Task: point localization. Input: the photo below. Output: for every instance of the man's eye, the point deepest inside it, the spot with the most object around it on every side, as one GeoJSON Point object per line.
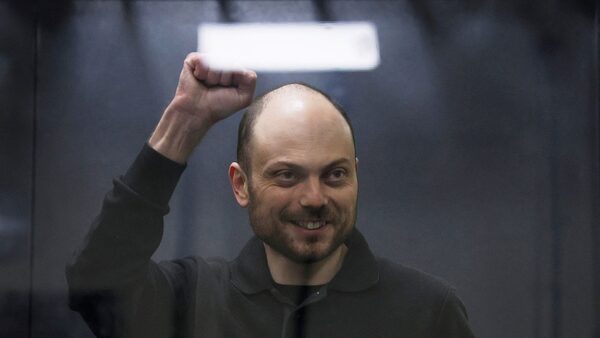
{"type": "Point", "coordinates": [336, 175]}
{"type": "Point", "coordinates": [286, 175]}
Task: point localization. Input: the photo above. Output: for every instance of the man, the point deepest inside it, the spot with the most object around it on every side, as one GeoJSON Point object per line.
{"type": "Point", "coordinates": [307, 273]}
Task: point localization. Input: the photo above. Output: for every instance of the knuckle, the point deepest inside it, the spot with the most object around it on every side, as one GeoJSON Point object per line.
{"type": "Point", "coordinates": [191, 57]}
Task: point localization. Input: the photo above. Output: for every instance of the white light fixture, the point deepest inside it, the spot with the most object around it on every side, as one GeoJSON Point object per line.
{"type": "Point", "coordinates": [285, 47]}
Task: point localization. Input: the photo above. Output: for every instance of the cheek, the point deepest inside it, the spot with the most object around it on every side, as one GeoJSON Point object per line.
{"type": "Point", "coordinates": [346, 197]}
{"type": "Point", "coordinates": [272, 200]}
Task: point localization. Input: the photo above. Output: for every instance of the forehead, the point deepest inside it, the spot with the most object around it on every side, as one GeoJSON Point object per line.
{"type": "Point", "coordinates": [300, 125]}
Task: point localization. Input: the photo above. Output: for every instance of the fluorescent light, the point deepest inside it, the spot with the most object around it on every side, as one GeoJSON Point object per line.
{"type": "Point", "coordinates": [290, 46]}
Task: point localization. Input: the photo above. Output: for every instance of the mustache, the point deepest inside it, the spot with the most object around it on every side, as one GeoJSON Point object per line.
{"type": "Point", "coordinates": [322, 213]}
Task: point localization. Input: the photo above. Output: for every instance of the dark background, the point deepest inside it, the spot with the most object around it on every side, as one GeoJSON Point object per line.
{"type": "Point", "coordinates": [477, 138]}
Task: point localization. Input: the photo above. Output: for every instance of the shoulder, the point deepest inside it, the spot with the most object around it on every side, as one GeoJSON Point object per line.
{"type": "Point", "coordinates": [424, 298]}
{"type": "Point", "coordinates": [408, 279]}
{"type": "Point", "coordinates": [412, 289]}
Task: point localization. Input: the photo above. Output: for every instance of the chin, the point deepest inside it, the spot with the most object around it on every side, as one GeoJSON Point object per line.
{"type": "Point", "coordinates": [309, 257]}
{"type": "Point", "coordinates": [305, 253]}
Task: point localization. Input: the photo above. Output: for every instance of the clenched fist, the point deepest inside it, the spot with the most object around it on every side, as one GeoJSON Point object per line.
{"type": "Point", "coordinates": [203, 97]}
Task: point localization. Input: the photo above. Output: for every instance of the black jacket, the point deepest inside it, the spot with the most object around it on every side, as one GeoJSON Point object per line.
{"type": "Point", "coordinates": [121, 292]}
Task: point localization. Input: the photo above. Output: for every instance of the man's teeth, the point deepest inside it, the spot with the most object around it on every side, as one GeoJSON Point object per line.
{"type": "Point", "coordinates": [312, 225]}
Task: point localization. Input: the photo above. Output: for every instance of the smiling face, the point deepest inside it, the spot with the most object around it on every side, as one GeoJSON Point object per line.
{"type": "Point", "coordinates": [302, 190]}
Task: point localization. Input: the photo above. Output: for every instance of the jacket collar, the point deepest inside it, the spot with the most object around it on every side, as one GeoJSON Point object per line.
{"type": "Point", "coordinates": [359, 270]}
{"type": "Point", "coordinates": [250, 273]}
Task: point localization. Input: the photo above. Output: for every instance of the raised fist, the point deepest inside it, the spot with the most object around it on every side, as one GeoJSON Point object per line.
{"type": "Point", "coordinates": [210, 93]}
{"type": "Point", "coordinates": [203, 97]}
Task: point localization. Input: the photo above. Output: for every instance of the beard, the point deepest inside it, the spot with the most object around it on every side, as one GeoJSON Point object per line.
{"type": "Point", "coordinates": [274, 230]}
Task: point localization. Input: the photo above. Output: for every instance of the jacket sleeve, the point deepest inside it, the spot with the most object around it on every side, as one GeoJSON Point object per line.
{"type": "Point", "coordinates": [113, 283]}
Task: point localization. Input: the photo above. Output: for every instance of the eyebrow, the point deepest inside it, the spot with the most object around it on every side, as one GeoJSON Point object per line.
{"type": "Point", "coordinates": [288, 164]}
{"type": "Point", "coordinates": [338, 162]}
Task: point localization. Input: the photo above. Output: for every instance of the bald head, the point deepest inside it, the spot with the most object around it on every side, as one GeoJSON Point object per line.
{"type": "Point", "coordinates": [287, 107]}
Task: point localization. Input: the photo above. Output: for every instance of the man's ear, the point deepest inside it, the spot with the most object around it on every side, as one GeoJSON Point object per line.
{"type": "Point", "coordinates": [239, 184]}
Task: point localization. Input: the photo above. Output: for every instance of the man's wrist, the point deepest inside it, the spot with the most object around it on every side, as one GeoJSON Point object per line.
{"type": "Point", "coordinates": [177, 135]}
{"type": "Point", "coordinates": [174, 150]}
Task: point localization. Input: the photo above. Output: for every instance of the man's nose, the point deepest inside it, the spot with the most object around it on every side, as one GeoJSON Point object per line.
{"type": "Point", "coordinates": [312, 194]}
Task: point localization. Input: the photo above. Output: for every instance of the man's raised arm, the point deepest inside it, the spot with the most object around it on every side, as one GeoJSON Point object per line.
{"type": "Point", "coordinates": [113, 283]}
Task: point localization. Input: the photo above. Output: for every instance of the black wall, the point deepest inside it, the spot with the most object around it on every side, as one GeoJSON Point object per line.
{"type": "Point", "coordinates": [477, 138]}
